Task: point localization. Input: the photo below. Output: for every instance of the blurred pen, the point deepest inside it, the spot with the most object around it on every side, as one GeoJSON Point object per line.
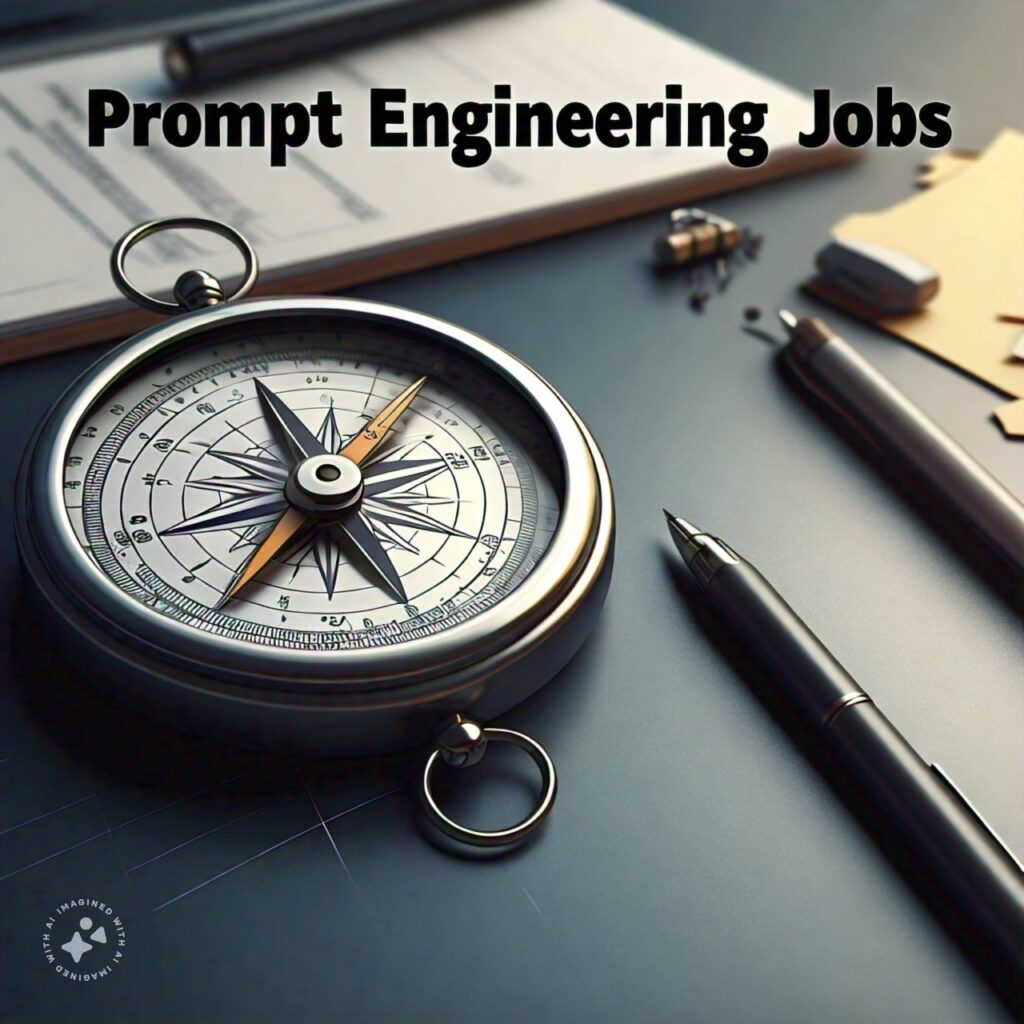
{"type": "Point", "coordinates": [199, 58]}
{"type": "Point", "coordinates": [832, 369]}
{"type": "Point", "coordinates": [951, 843]}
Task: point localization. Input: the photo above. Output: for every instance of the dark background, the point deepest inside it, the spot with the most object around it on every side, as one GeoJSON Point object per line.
{"type": "Point", "coordinates": [696, 867]}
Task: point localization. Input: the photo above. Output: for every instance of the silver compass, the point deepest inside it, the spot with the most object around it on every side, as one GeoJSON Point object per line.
{"type": "Point", "coordinates": [317, 524]}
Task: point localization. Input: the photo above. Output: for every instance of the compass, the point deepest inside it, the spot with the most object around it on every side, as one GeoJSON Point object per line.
{"type": "Point", "coordinates": [316, 525]}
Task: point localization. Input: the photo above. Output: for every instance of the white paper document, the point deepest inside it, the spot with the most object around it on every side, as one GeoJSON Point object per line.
{"type": "Point", "coordinates": [333, 217]}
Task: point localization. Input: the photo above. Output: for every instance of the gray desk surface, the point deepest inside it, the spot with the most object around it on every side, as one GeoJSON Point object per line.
{"type": "Point", "coordinates": [696, 868]}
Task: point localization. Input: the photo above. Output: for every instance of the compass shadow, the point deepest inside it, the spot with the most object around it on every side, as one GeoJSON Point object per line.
{"type": "Point", "coordinates": [129, 750]}
{"type": "Point", "coordinates": [136, 760]}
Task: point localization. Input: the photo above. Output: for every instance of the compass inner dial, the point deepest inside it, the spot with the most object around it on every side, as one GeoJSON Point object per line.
{"type": "Point", "coordinates": [313, 489]}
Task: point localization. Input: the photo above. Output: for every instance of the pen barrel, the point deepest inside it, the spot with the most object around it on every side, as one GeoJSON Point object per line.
{"type": "Point", "coordinates": [834, 370]}
{"type": "Point", "coordinates": [816, 686]}
{"type": "Point", "coordinates": [957, 852]}
{"type": "Point", "coordinates": [950, 841]}
{"type": "Point", "coordinates": [220, 53]}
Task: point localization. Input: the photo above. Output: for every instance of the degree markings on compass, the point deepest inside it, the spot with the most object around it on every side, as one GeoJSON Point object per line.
{"type": "Point", "coordinates": [357, 363]}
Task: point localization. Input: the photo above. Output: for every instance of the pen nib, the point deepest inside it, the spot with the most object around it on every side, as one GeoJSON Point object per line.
{"type": "Point", "coordinates": [683, 534]}
{"type": "Point", "coordinates": [680, 527]}
{"type": "Point", "coordinates": [789, 320]}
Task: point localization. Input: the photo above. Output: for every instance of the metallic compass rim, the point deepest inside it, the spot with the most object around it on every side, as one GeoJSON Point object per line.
{"type": "Point", "coordinates": [277, 668]}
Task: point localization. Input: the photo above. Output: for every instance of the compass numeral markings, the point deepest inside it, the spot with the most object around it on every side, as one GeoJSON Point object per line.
{"type": "Point", "coordinates": [413, 506]}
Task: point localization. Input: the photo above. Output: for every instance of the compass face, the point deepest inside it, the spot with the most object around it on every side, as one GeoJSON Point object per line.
{"type": "Point", "coordinates": [381, 526]}
{"type": "Point", "coordinates": [315, 525]}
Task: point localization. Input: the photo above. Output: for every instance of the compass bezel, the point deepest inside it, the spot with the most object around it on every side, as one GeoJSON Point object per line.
{"type": "Point", "coordinates": [585, 498]}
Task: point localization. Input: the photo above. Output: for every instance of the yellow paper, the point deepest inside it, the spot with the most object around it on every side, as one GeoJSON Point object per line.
{"type": "Point", "coordinates": [944, 166]}
{"type": "Point", "coordinates": [970, 228]}
{"type": "Point", "coordinates": [1011, 418]}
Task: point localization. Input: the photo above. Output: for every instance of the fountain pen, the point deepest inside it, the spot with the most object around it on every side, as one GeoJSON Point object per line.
{"type": "Point", "coordinates": [967, 862]}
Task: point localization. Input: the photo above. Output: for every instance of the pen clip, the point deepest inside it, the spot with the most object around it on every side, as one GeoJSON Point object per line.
{"type": "Point", "coordinates": [954, 789]}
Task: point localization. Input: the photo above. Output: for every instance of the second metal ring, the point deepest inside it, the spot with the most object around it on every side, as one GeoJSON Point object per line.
{"type": "Point", "coordinates": [499, 837]}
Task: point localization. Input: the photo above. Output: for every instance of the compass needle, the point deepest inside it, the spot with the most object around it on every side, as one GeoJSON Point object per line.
{"type": "Point", "coordinates": [356, 530]}
{"type": "Point", "coordinates": [326, 555]}
{"type": "Point", "coordinates": [286, 528]}
{"type": "Point", "coordinates": [291, 433]}
{"type": "Point", "coordinates": [244, 511]}
{"type": "Point", "coordinates": [363, 444]}
{"type": "Point", "coordinates": [254, 465]}
{"type": "Point", "coordinates": [398, 451]}
{"type": "Point", "coordinates": [402, 516]}
{"type": "Point", "coordinates": [386, 476]}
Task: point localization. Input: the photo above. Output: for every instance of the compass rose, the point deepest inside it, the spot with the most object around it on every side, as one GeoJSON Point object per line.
{"type": "Point", "coordinates": [343, 496]}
